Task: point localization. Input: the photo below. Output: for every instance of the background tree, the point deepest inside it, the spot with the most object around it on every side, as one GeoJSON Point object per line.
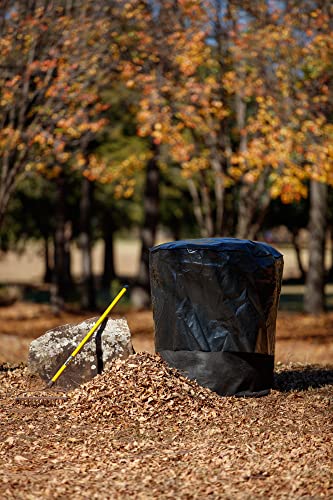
{"type": "Point", "coordinates": [28, 219]}
{"type": "Point", "coordinates": [231, 102]}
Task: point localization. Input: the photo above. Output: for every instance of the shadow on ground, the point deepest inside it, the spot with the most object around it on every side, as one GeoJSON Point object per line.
{"type": "Point", "coordinates": [302, 379]}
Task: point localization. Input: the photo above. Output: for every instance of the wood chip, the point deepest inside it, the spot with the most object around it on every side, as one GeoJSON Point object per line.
{"type": "Point", "coordinates": [142, 430]}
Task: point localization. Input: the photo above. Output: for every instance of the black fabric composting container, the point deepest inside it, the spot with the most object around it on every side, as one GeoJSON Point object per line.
{"type": "Point", "coordinates": [215, 303]}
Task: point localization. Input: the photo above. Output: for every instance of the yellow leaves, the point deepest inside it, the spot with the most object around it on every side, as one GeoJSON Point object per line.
{"type": "Point", "coordinates": [310, 156]}
{"type": "Point", "coordinates": [128, 70]}
{"type": "Point", "coordinates": [92, 71]}
{"type": "Point", "coordinates": [6, 98]}
{"type": "Point", "coordinates": [320, 98]}
{"type": "Point", "coordinates": [275, 191]}
{"type": "Point", "coordinates": [13, 81]}
{"type": "Point", "coordinates": [319, 160]}
{"type": "Point", "coordinates": [43, 168]}
{"type": "Point", "coordinates": [210, 81]}
{"type": "Point", "coordinates": [144, 104]}
{"type": "Point", "coordinates": [73, 132]}
{"type": "Point", "coordinates": [39, 166]}
{"type": "Point", "coordinates": [229, 81]}
{"type": "Point", "coordinates": [316, 127]}
{"type": "Point", "coordinates": [143, 131]}
{"type": "Point", "coordinates": [80, 160]}
{"type": "Point", "coordinates": [237, 159]}
{"type": "Point", "coordinates": [160, 132]}
{"type": "Point", "coordinates": [10, 138]}
{"type": "Point", "coordinates": [288, 188]}
{"type": "Point", "coordinates": [39, 139]}
{"type": "Point", "coordinates": [55, 171]}
{"type": "Point", "coordinates": [134, 163]}
{"type": "Point", "coordinates": [194, 166]}
{"type": "Point", "coordinates": [122, 175]}
{"type": "Point", "coordinates": [235, 172]}
{"type": "Point", "coordinates": [28, 166]}
{"type": "Point", "coordinates": [123, 192]}
{"type": "Point", "coordinates": [185, 64]}
{"type": "Point", "coordinates": [250, 177]}
{"type": "Point", "coordinates": [63, 157]}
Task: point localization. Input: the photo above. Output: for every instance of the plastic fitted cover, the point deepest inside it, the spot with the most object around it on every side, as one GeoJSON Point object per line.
{"type": "Point", "coordinates": [215, 303]}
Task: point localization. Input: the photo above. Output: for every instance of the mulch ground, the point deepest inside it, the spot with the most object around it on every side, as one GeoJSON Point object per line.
{"type": "Point", "coordinates": [143, 431]}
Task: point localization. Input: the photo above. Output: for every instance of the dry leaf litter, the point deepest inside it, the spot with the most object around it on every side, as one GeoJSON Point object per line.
{"type": "Point", "coordinates": [142, 430]}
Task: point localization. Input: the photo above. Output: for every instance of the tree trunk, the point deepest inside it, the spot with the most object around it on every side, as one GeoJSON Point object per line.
{"type": "Point", "coordinates": [294, 239]}
{"type": "Point", "coordinates": [219, 188]}
{"type": "Point", "coordinates": [151, 217]}
{"type": "Point", "coordinates": [88, 289]}
{"type": "Point", "coordinates": [330, 272]}
{"type": "Point", "coordinates": [197, 209]}
{"type": "Point", "coordinates": [202, 206]}
{"type": "Point", "coordinates": [61, 277]}
{"type": "Point", "coordinates": [244, 213]}
{"type": "Point", "coordinates": [47, 261]}
{"type": "Point", "coordinates": [254, 200]}
{"type": "Point", "coordinates": [314, 297]}
{"type": "Point", "coordinates": [108, 267]}
{"type": "Point", "coordinates": [207, 211]}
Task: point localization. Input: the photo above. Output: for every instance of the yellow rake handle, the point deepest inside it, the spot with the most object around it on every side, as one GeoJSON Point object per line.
{"type": "Point", "coordinates": [87, 337]}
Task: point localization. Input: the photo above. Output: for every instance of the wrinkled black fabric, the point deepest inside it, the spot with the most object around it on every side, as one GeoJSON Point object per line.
{"type": "Point", "coordinates": [215, 295]}
{"type": "Point", "coordinates": [227, 373]}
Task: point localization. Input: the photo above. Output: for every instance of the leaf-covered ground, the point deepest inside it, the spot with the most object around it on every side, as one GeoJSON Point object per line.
{"type": "Point", "coordinates": [143, 431]}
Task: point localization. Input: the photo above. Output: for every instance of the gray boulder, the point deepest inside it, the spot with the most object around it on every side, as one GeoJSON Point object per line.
{"type": "Point", "coordinates": [48, 352]}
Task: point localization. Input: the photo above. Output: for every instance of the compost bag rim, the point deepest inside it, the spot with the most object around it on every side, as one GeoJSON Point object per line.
{"type": "Point", "coordinates": [218, 245]}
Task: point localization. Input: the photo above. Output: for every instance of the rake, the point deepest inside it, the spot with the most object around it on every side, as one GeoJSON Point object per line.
{"type": "Point", "coordinates": [47, 395]}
